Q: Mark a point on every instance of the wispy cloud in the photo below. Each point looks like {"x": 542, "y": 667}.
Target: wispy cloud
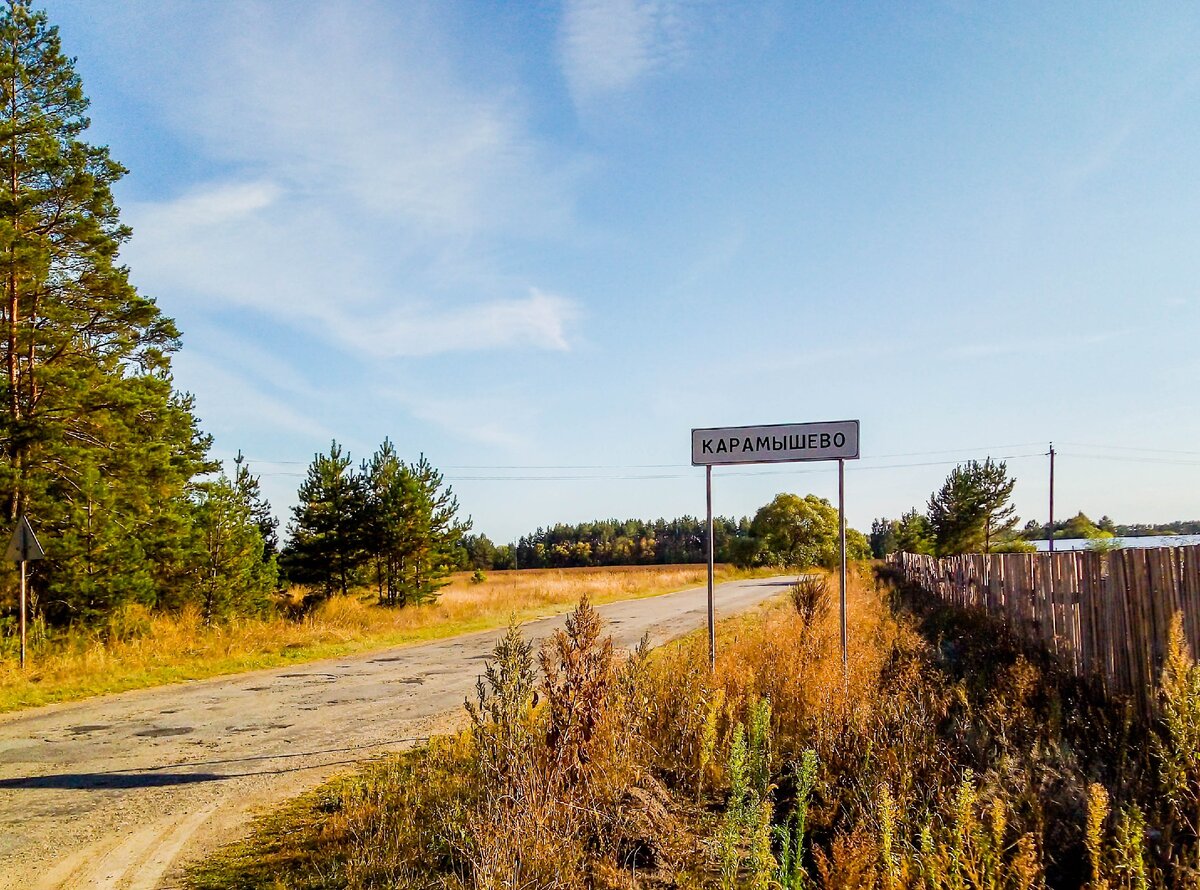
{"x": 608, "y": 46}
{"x": 228, "y": 402}
{"x": 492, "y": 419}
{"x": 539, "y": 320}
{"x": 1031, "y": 346}
{"x": 366, "y": 186}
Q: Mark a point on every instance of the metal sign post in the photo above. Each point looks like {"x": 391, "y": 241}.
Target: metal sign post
{"x": 23, "y": 547}
{"x": 842, "y": 542}
{"x": 770, "y": 444}
{"x": 712, "y": 624}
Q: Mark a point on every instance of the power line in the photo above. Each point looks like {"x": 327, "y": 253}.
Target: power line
{"x": 674, "y": 466}
{"x": 1131, "y": 448}
{"x": 1130, "y": 459}
{"x": 736, "y": 471}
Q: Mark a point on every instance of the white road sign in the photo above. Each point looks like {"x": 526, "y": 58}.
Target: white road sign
{"x": 775, "y": 443}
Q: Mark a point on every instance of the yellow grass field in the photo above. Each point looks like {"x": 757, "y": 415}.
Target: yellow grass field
{"x": 144, "y": 649}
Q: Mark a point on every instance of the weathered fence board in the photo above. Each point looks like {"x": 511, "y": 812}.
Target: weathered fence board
{"x": 1105, "y": 615}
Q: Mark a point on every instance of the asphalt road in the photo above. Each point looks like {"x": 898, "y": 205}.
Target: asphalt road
{"x": 117, "y": 791}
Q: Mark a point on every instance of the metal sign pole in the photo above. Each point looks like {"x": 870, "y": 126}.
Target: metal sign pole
{"x": 842, "y": 537}
{"x": 23, "y": 546}
{"x": 712, "y": 625}
{"x": 22, "y": 614}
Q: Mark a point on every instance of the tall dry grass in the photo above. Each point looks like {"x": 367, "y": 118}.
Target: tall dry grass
{"x": 138, "y": 648}
{"x": 945, "y": 758}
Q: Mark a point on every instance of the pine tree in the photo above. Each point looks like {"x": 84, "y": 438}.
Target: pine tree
{"x": 250, "y": 491}
{"x": 971, "y": 509}
{"x": 232, "y": 577}
{"x": 914, "y": 534}
{"x": 327, "y": 547}
{"x": 390, "y": 526}
{"x": 999, "y": 516}
{"x": 94, "y": 444}
{"x": 436, "y": 531}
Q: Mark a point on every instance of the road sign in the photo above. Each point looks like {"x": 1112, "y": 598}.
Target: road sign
{"x": 24, "y": 544}
{"x": 23, "y": 547}
{"x": 775, "y": 443}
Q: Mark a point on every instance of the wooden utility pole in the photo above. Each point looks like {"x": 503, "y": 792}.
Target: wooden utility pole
{"x": 1051, "y": 497}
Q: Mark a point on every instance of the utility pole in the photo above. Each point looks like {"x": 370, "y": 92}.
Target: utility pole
{"x": 1051, "y": 497}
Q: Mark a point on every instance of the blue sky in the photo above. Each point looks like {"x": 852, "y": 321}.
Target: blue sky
{"x": 547, "y": 239}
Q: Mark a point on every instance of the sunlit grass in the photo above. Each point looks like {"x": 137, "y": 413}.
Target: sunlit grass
{"x": 144, "y": 649}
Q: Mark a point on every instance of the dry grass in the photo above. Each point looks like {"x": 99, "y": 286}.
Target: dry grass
{"x": 139, "y": 649}
{"x": 946, "y": 758}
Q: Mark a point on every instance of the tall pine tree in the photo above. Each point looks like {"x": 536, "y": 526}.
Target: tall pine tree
{"x": 971, "y": 511}
{"x": 95, "y": 446}
{"x": 328, "y": 538}
{"x": 436, "y": 531}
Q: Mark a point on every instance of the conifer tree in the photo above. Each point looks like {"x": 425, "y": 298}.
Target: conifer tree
{"x": 250, "y": 491}
{"x": 327, "y": 546}
{"x": 436, "y": 531}
{"x": 232, "y": 576}
{"x": 390, "y": 527}
{"x": 95, "y": 446}
{"x": 972, "y": 508}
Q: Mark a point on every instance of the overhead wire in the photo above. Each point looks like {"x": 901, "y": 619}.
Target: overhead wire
{"x": 673, "y": 466}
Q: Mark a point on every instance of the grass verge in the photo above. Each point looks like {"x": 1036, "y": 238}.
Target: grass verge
{"x": 947, "y": 757}
{"x": 139, "y": 649}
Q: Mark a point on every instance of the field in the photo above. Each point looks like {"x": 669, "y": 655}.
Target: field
{"x": 138, "y": 649}
{"x": 949, "y": 756}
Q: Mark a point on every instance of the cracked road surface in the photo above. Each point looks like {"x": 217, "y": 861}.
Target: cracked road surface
{"x": 117, "y": 791}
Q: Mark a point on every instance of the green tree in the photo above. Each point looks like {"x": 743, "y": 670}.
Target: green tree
{"x": 249, "y": 489}
{"x": 972, "y": 508}
{"x": 479, "y": 552}
{"x": 94, "y": 444}
{"x": 390, "y": 527}
{"x": 1080, "y": 526}
{"x": 883, "y": 537}
{"x": 796, "y": 531}
{"x": 914, "y": 534}
{"x": 999, "y": 515}
{"x": 436, "y": 531}
{"x": 327, "y": 533}
{"x": 233, "y": 577}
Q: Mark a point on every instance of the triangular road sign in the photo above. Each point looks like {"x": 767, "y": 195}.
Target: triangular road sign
{"x": 24, "y": 544}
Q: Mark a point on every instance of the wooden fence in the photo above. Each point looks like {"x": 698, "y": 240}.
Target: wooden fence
{"x": 1105, "y": 615}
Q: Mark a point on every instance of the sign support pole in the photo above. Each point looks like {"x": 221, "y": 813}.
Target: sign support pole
{"x": 22, "y": 614}
{"x": 842, "y": 539}
{"x": 712, "y": 625}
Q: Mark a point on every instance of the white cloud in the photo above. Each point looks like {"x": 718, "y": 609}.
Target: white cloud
{"x": 539, "y": 320}
{"x": 609, "y": 46}
{"x": 223, "y": 393}
{"x": 232, "y": 244}
{"x": 367, "y": 184}
{"x": 492, "y": 419}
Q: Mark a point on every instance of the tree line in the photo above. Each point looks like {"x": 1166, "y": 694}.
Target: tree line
{"x": 790, "y": 530}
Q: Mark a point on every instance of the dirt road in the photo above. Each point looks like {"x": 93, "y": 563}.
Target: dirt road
{"x": 116, "y": 791}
